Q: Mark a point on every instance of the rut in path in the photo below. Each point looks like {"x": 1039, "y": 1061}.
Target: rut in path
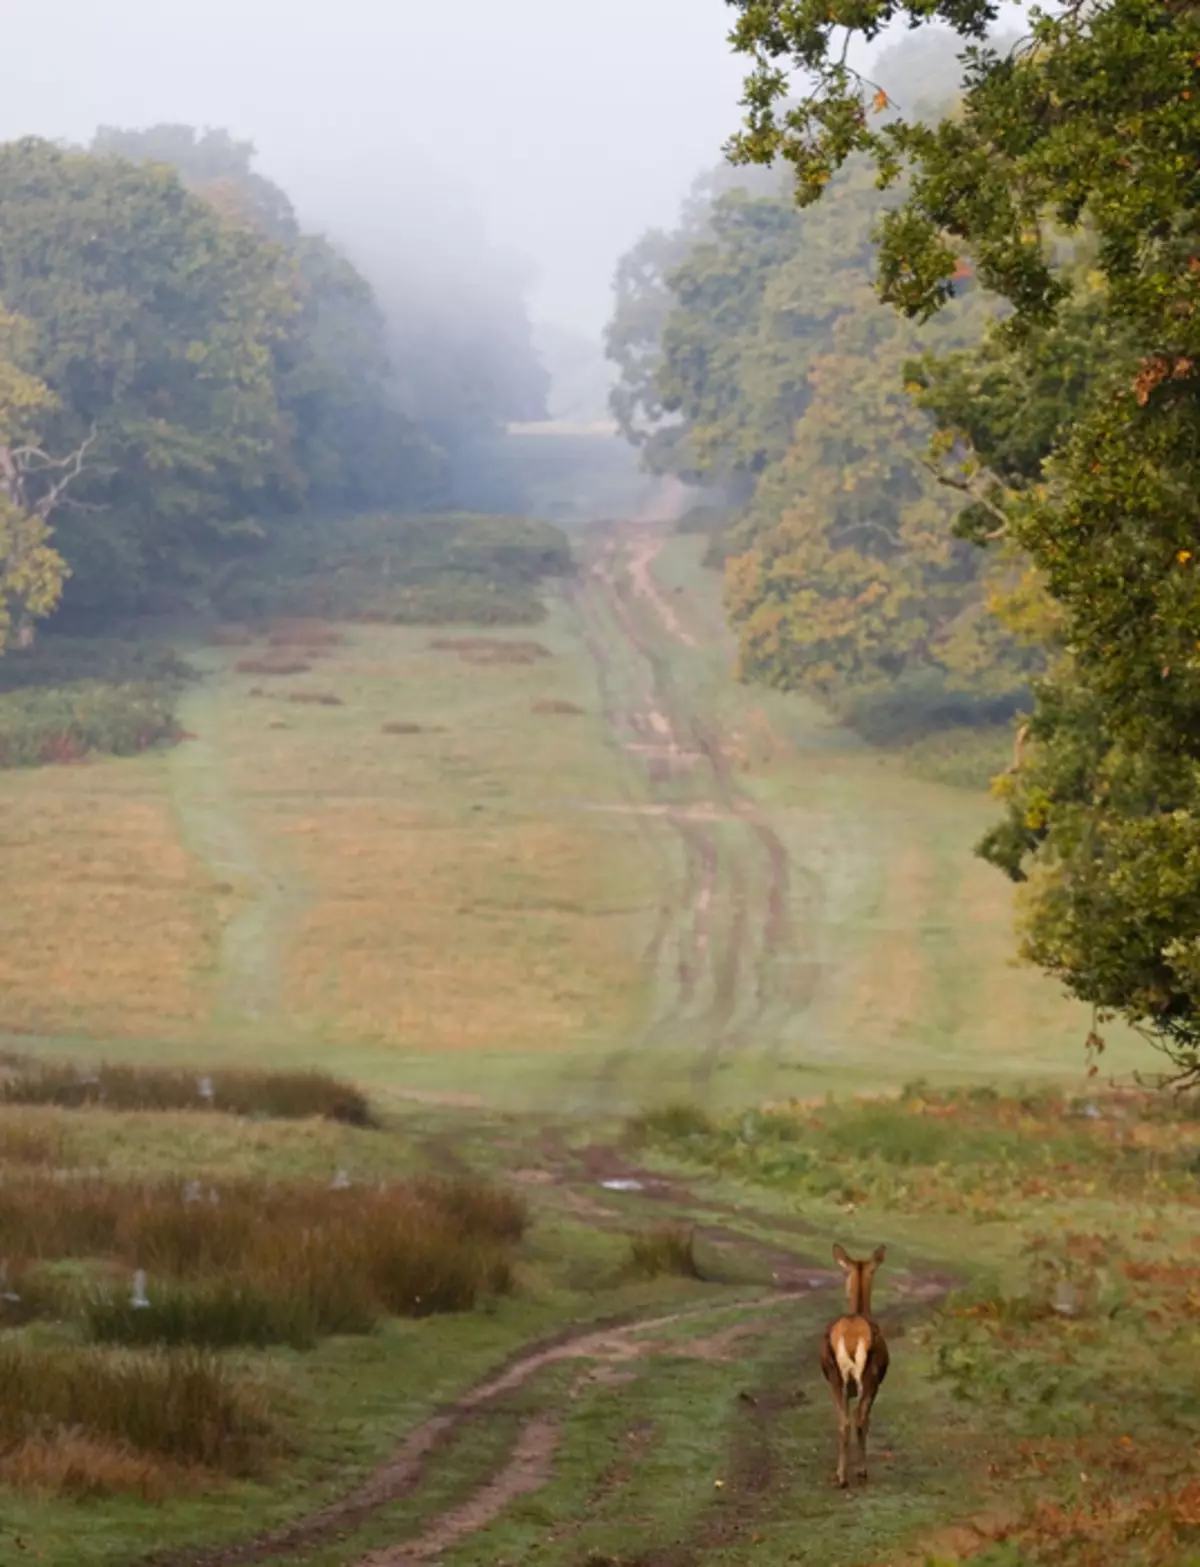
{"x": 401, "y": 1474}
{"x": 727, "y": 969}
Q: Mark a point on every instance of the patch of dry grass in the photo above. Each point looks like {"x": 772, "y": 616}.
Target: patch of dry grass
{"x": 666, "y": 1249}
{"x": 107, "y": 925}
{"x": 82, "y": 1420}
{"x": 445, "y": 935}
{"x": 255, "y": 1263}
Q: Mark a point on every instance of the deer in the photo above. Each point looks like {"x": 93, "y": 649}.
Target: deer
{"x": 854, "y": 1358}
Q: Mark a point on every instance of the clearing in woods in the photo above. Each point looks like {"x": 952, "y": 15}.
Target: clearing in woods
{"x": 520, "y": 886}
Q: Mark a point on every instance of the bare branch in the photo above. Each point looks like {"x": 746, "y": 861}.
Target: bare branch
{"x": 980, "y": 497}
{"x": 1018, "y": 748}
{"x": 71, "y": 467}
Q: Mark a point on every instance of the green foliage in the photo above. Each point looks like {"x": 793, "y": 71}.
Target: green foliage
{"x": 334, "y": 377}
{"x": 71, "y": 697}
{"x": 159, "y": 326}
{"x": 403, "y": 569}
{"x": 276, "y": 1095}
{"x": 777, "y": 379}
{"x": 39, "y": 727}
{"x": 1083, "y": 418}
{"x": 967, "y": 757}
{"x": 32, "y": 483}
{"x": 970, "y": 1151}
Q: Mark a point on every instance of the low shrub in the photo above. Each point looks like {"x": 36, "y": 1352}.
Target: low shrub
{"x": 184, "y": 1407}
{"x": 550, "y": 705}
{"x": 304, "y": 633}
{"x": 455, "y": 567}
{"x": 67, "y": 724}
{"x": 491, "y": 650}
{"x": 315, "y": 698}
{"x": 231, "y": 636}
{"x": 918, "y": 705}
{"x": 673, "y": 1121}
{"x": 401, "y": 727}
{"x": 276, "y": 1095}
{"x": 964, "y": 1151}
{"x": 668, "y": 1248}
{"x": 967, "y": 758}
{"x": 279, "y": 663}
{"x": 71, "y": 697}
{"x": 704, "y": 519}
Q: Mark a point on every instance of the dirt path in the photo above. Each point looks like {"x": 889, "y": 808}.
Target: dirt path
{"x": 725, "y": 955}
{"x": 526, "y": 1468}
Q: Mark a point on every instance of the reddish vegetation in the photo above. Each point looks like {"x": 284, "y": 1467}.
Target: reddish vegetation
{"x": 554, "y": 705}
{"x": 308, "y": 634}
{"x": 491, "y": 650}
{"x": 231, "y": 636}
{"x": 271, "y": 664}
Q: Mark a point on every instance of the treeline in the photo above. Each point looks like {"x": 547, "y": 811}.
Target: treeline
{"x": 1065, "y": 420}
{"x": 183, "y": 369}
{"x": 756, "y": 360}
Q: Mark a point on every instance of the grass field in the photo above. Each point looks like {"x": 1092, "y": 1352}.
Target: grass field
{"x": 529, "y": 891}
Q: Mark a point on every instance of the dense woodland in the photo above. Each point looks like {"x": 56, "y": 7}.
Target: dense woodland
{"x": 937, "y": 362}
{"x": 184, "y": 372}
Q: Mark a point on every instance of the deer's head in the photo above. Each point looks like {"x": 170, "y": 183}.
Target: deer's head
{"x": 859, "y": 1276}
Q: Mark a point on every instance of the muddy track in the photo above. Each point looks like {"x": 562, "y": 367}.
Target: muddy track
{"x": 733, "y": 974}
{"x": 401, "y": 1474}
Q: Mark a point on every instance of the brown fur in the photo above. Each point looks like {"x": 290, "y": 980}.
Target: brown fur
{"x": 851, "y": 1336}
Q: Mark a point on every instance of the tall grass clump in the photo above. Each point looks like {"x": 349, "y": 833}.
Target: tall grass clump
{"x": 262, "y": 1264}
{"x": 275, "y": 1095}
{"x": 668, "y": 1248}
{"x": 182, "y": 1407}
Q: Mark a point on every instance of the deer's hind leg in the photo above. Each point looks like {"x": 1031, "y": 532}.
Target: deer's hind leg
{"x": 841, "y": 1403}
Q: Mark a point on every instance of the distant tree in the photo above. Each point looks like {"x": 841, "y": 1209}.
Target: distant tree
{"x": 335, "y": 379}
{"x": 158, "y": 326}
{"x": 1090, "y": 130}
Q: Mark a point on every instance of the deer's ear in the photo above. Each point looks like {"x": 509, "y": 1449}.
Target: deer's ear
{"x": 841, "y": 1257}
{"x": 878, "y": 1255}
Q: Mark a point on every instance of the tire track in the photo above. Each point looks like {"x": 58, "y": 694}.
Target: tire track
{"x": 526, "y": 1468}
{"x": 737, "y": 974}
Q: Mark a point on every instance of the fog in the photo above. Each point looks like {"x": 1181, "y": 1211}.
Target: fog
{"x": 573, "y": 127}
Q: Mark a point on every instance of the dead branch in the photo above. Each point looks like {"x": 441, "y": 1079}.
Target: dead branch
{"x": 965, "y": 487}
{"x": 1018, "y": 748}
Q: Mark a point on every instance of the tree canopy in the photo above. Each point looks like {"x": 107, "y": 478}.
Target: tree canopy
{"x": 165, "y": 315}
{"x": 754, "y": 358}
{"x": 1075, "y": 428}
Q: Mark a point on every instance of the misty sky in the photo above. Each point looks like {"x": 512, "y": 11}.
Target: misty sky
{"x": 578, "y": 124}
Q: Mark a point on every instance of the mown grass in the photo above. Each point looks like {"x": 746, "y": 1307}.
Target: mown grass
{"x": 403, "y": 570}
{"x": 276, "y": 1095}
